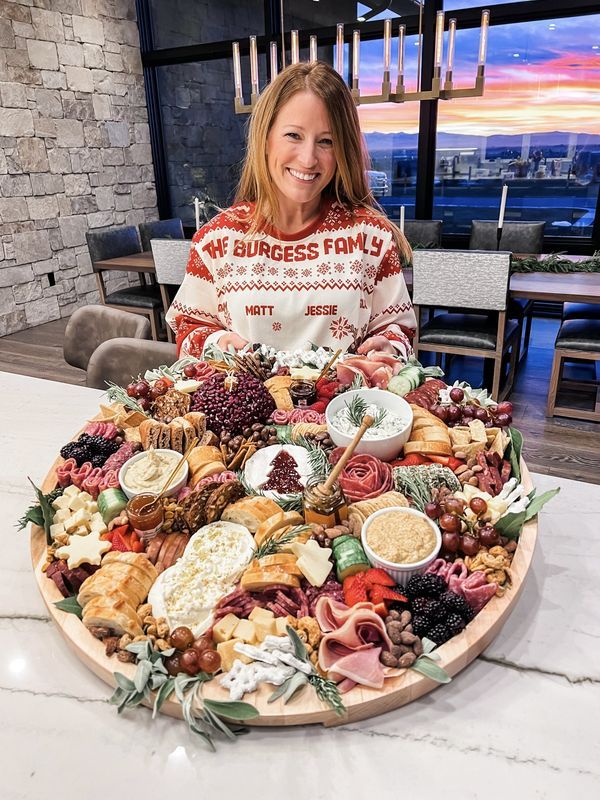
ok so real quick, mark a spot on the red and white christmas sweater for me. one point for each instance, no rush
(332, 284)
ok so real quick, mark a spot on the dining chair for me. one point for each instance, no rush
(122, 359)
(581, 311)
(518, 237)
(474, 286)
(170, 261)
(160, 229)
(424, 232)
(143, 299)
(90, 327)
(577, 340)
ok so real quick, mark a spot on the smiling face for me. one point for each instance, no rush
(300, 154)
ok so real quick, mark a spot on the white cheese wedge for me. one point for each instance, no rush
(91, 506)
(80, 517)
(56, 529)
(76, 502)
(188, 387)
(70, 491)
(304, 373)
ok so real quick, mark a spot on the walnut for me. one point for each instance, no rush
(151, 630)
(311, 626)
(302, 635)
(162, 628)
(126, 656)
(124, 641)
(142, 638)
(148, 620)
(161, 644)
(144, 610)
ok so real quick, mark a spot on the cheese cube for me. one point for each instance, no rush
(60, 502)
(224, 628)
(71, 491)
(61, 515)
(280, 626)
(228, 654)
(91, 506)
(261, 613)
(96, 518)
(98, 527)
(76, 502)
(264, 627)
(80, 530)
(246, 631)
(56, 529)
(80, 517)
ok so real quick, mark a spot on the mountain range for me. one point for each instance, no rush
(408, 141)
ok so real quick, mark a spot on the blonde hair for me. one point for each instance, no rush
(349, 185)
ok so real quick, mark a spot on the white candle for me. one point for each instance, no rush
(197, 210)
(387, 44)
(273, 61)
(313, 49)
(253, 66)
(502, 205)
(485, 21)
(339, 53)
(295, 48)
(451, 40)
(439, 38)
(402, 218)
(355, 54)
(237, 70)
(401, 33)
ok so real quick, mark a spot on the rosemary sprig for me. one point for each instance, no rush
(274, 544)
(116, 394)
(317, 457)
(327, 691)
(357, 408)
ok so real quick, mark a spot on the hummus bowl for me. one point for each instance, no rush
(148, 471)
(396, 429)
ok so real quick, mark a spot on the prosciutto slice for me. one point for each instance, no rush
(350, 652)
(474, 587)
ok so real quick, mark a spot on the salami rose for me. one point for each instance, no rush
(364, 477)
(63, 473)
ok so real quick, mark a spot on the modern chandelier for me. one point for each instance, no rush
(399, 94)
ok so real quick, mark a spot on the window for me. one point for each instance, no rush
(536, 128)
(179, 23)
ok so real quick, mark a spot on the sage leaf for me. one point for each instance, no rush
(510, 525)
(213, 721)
(70, 606)
(538, 502)
(279, 691)
(297, 683)
(143, 672)
(429, 668)
(232, 709)
(124, 682)
(140, 649)
(163, 694)
(428, 645)
(116, 697)
(299, 649)
(514, 454)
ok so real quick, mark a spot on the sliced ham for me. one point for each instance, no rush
(360, 666)
(332, 614)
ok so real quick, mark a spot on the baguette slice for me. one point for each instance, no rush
(104, 586)
(116, 615)
(212, 468)
(428, 448)
(198, 420)
(251, 511)
(256, 580)
(176, 432)
(149, 434)
(276, 523)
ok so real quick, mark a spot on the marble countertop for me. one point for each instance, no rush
(521, 720)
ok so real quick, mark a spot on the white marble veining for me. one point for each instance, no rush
(522, 720)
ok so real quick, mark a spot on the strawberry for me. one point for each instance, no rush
(379, 594)
(378, 577)
(119, 543)
(355, 590)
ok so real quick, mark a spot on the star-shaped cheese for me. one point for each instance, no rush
(313, 561)
(84, 549)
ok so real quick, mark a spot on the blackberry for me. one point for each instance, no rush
(439, 634)
(100, 445)
(455, 624)
(437, 611)
(425, 586)
(458, 605)
(79, 452)
(421, 624)
(98, 461)
(420, 605)
(68, 449)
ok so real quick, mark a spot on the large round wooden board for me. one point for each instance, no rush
(360, 703)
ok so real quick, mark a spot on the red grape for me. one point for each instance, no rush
(144, 403)
(489, 536)
(154, 393)
(181, 638)
(454, 505)
(189, 661)
(203, 643)
(468, 411)
(449, 523)
(454, 413)
(493, 410)
(209, 661)
(469, 545)
(433, 510)
(441, 412)
(505, 407)
(173, 664)
(457, 395)
(450, 542)
(503, 420)
(131, 390)
(189, 371)
(142, 388)
(478, 505)
(482, 414)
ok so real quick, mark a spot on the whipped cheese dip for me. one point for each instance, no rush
(391, 424)
(186, 593)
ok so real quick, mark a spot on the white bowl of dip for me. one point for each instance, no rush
(384, 442)
(147, 472)
(402, 541)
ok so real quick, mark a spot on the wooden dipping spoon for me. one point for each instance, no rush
(333, 475)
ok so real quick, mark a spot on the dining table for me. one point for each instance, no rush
(520, 720)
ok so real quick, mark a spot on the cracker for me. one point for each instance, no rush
(477, 429)
(220, 498)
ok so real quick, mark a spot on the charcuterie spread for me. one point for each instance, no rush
(248, 570)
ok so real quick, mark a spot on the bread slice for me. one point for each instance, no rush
(213, 468)
(139, 560)
(138, 583)
(276, 524)
(176, 430)
(114, 614)
(149, 434)
(255, 580)
(198, 420)
(428, 448)
(164, 436)
(251, 511)
(107, 586)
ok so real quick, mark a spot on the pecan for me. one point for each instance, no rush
(100, 632)
(124, 641)
(111, 644)
(126, 656)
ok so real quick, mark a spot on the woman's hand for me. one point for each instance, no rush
(231, 339)
(379, 343)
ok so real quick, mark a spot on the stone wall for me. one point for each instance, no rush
(74, 149)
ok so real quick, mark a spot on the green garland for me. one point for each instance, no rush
(554, 263)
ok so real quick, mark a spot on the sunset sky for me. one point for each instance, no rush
(540, 76)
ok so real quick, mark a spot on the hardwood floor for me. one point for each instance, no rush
(559, 446)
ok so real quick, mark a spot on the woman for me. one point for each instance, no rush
(302, 256)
